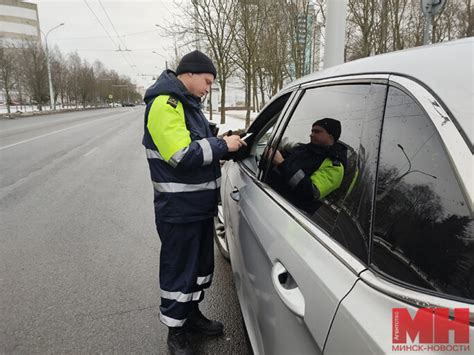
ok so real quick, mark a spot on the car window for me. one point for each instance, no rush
(333, 183)
(257, 149)
(262, 132)
(423, 227)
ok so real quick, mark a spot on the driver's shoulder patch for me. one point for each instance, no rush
(172, 101)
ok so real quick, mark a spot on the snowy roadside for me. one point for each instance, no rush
(234, 120)
(29, 111)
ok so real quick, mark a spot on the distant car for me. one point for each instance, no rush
(397, 235)
(128, 104)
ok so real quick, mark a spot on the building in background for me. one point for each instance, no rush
(19, 23)
(307, 36)
(19, 27)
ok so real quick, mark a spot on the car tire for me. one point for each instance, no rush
(219, 233)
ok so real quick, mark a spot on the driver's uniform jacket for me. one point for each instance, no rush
(182, 153)
(309, 173)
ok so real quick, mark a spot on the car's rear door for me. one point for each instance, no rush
(422, 248)
(291, 271)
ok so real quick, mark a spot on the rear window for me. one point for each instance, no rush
(423, 230)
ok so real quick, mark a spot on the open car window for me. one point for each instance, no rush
(262, 132)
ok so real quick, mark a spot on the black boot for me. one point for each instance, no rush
(178, 343)
(196, 322)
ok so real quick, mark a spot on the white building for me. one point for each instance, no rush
(19, 23)
(19, 26)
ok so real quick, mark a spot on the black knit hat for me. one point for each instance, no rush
(196, 62)
(332, 126)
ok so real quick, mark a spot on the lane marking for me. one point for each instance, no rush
(58, 131)
(92, 151)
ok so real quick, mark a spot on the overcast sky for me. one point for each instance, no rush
(134, 21)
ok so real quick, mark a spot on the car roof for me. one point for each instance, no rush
(447, 69)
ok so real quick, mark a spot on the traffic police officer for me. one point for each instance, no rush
(183, 156)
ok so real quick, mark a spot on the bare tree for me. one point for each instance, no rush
(34, 72)
(212, 22)
(216, 21)
(58, 74)
(73, 87)
(7, 73)
(466, 19)
(363, 14)
(23, 70)
(297, 18)
(446, 25)
(86, 81)
(252, 19)
(103, 81)
(378, 26)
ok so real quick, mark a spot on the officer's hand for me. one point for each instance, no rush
(278, 158)
(234, 142)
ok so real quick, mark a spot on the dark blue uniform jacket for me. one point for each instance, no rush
(187, 190)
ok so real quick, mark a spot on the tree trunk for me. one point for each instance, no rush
(8, 100)
(7, 96)
(255, 93)
(223, 88)
(210, 104)
(248, 89)
(262, 89)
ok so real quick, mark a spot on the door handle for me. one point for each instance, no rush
(235, 194)
(287, 289)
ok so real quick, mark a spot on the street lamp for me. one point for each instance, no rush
(161, 55)
(52, 102)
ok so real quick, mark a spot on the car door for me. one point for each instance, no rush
(238, 173)
(422, 247)
(290, 274)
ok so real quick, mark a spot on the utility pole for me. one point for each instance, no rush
(335, 33)
(196, 25)
(210, 103)
(52, 101)
(430, 8)
(162, 56)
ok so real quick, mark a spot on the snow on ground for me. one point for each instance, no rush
(34, 108)
(27, 108)
(234, 120)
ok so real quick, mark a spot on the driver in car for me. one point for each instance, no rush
(309, 172)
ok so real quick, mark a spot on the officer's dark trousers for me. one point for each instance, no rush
(186, 267)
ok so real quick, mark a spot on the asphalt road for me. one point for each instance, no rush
(79, 254)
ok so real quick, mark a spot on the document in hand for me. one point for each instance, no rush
(247, 136)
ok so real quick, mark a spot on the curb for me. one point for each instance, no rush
(11, 116)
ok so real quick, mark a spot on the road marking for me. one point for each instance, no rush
(92, 151)
(54, 132)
